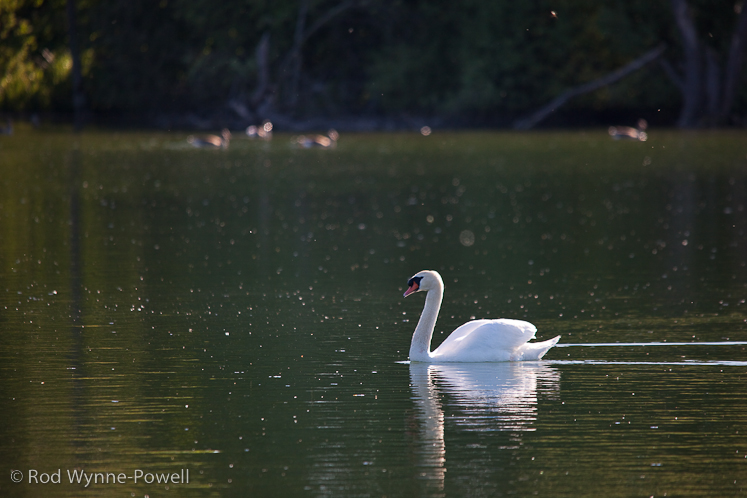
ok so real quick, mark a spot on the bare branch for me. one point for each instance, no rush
(328, 16)
(672, 74)
(532, 120)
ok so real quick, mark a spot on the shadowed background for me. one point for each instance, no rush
(359, 64)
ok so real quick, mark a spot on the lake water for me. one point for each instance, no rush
(239, 315)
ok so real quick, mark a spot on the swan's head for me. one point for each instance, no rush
(424, 281)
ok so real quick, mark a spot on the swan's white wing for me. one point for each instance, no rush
(485, 340)
(464, 330)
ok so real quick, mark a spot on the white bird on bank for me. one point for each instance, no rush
(317, 141)
(629, 133)
(475, 341)
(264, 131)
(211, 141)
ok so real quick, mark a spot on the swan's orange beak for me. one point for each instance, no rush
(413, 288)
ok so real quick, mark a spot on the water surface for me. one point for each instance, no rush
(239, 314)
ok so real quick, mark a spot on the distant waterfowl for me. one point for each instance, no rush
(475, 341)
(7, 130)
(629, 133)
(211, 141)
(264, 131)
(318, 141)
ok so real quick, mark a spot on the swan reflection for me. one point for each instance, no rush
(479, 397)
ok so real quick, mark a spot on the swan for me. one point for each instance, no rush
(211, 141)
(476, 340)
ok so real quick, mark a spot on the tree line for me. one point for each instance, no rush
(467, 63)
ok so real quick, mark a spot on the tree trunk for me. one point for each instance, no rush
(708, 91)
(263, 71)
(734, 65)
(712, 87)
(295, 55)
(291, 67)
(692, 81)
(79, 99)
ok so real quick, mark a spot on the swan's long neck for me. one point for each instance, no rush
(420, 348)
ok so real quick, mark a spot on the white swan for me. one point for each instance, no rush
(475, 341)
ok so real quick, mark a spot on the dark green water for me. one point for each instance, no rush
(238, 314)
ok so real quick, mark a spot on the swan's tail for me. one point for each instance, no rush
(532, 351)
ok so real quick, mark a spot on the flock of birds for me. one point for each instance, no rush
(264, 132)
(329, 141)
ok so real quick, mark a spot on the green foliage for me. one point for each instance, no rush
(477, 60)
(34, 60)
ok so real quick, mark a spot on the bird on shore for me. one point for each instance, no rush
(211, 141)
(328, 141)
(264, 131)
(630, 133)
(476, 340)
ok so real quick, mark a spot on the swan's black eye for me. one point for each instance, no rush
(414, 280)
